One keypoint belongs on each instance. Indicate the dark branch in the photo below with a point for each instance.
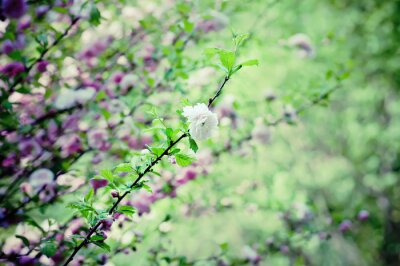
(141, 175)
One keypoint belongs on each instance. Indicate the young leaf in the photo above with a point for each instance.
(89, 195)
(95, 16)
(102, 245)
(169, 132)
(127, 210)
(49, 249)
(77, 237)
(227, 59)
(240, 39)
(183, 159)
(81, 206)
(24, 240)
(157, 150)
(30, 221)
(252, 62)
(210, 52)
(97, 238)
(107, 174)
(174, 151)
(123, 167)
(193, 145)
(224, 247)
(147, 188)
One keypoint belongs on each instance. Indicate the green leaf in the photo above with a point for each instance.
(105, 113)
(127, 210)
(89, 195)
(209, 52)
(183, 8)
(60, 10)
(157, 150)
(95, 16)
(32, 222)
(147, 188)
(77, 237)
(24, 240)
(193, 145)
(240, 39)
(252, 62)
(97, 238)
(188, 26)
(328, 74)
(174, 151)
(23, 90)
(107, 174)
(49, 249)
(102, 245)
(183, 159)
(124, 167)
(227, 59)
(169, 132)
(235, 69)
(224, 247)
(81, 206)
(101, 95)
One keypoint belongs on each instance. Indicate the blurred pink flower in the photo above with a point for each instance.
(98, 139)
(98, 183)
(70, 144)
(14, 8)
(12, 69)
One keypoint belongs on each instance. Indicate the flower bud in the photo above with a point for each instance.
(106, 224)
(42, 66)
(363, 215)
(345, 226)
(25, 188)
(114, 194)
(284, 249)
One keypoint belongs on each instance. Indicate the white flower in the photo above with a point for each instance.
(128, 81)
(202, 121)
(303, 44)
(69, 98)
(165, 227)
(65, 99)
(41, 177)
(84, 95)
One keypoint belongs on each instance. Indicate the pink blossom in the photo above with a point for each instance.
(117, 77)
(8, 47)
(29, 147)
(70, 144)
(98, 139)
(98, 183)
(345, 226)
(14, 8)
(363, 215)
(41, 11)
(24, 23)
(106, 224)
(42, 66)
(13, 69)
(284, 249)
(9, 161)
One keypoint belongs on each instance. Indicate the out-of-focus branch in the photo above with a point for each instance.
(44, 52)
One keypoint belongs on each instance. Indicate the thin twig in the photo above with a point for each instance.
(141, 175)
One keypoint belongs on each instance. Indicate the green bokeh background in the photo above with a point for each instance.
(337, 159)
